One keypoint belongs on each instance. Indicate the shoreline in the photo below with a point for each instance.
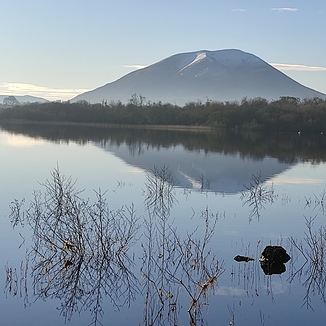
(109, 125)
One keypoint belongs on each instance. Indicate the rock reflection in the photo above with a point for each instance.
(312, 273)
(80, 251)
(174, 267)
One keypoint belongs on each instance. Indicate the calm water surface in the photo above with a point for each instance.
(195, 201)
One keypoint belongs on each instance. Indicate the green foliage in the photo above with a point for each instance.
(284, 114)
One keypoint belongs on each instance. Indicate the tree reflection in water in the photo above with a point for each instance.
(312, 273)
(257, 196)
(80, 251)
(318, 202)
(173, 266)
(81, 254)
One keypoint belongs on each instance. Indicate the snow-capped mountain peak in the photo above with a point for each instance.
(223, 75)
(200, 56)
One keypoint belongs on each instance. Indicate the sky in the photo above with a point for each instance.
(59, 49)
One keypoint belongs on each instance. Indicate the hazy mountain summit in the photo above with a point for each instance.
(23, 99)
(224, 75)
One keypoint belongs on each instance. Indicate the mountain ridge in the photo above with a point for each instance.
(222, 75)
(23, 99)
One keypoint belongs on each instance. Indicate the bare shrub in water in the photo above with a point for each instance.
(80, 251)
(312, 272)
(159, 191)
(257, 194)
(171, 264)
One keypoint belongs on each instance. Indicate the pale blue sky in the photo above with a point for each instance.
(58, 49)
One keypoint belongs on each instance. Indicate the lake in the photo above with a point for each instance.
(141, 227)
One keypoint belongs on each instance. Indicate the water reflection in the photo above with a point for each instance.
(160, 248)
(307, 267)
(257, 195)
(312, 272)
(210, 161)
(159, 192)
(318, 202)
(256, 276)
(81, 254)
(175, 266)
(80, 251)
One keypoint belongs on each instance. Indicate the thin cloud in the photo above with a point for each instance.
(285, 66)
(285, 9)
(239, 10)
(20, 89)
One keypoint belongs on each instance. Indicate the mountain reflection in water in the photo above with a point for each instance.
(230, 159)
(171, 255)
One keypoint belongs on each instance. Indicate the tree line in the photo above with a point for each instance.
(284, 114)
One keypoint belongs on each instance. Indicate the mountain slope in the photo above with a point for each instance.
(223, 75)
(25, 99)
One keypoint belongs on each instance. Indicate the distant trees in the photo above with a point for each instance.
(284, 114)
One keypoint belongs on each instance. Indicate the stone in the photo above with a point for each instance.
(273, 259)
(242, 258)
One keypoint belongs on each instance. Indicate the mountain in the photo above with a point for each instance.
(224, 75)
(25, 99)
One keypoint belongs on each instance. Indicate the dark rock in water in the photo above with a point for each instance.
(273, 259)
(274, 254)
(242, 258)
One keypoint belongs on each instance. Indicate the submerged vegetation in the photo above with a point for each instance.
(284, 114)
